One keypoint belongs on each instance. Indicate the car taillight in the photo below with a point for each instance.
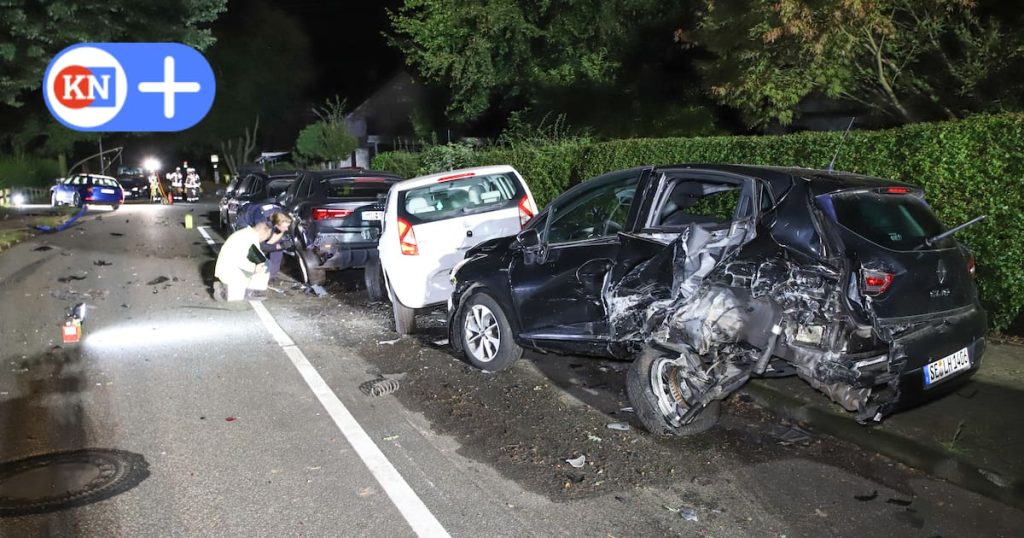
(325, 213)
(876, 282)
(971, 266)
(407, 238)
(525, 211)
(897, 190)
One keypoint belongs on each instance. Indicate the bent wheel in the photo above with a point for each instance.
(405, 317)
(656, 397)
(312, 274)
(486, 334)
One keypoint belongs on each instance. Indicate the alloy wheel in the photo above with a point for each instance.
(483, 337)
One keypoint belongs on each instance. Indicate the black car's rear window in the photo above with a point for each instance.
(357, 188)
(277, 186)
(895, 221)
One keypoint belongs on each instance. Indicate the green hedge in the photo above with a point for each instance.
(27, 171)
(967, 168)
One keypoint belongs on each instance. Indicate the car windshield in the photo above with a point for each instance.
(357, 188)
(453, 198)
(894, 221)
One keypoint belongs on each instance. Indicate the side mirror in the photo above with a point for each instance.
(529, 239)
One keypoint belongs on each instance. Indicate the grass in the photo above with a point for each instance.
(15, 228)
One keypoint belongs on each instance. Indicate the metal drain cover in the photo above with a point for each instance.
(59, 480)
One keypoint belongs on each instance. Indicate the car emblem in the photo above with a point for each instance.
(940, 271)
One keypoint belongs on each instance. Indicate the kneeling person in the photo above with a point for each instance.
(279, 222)
(241, 270)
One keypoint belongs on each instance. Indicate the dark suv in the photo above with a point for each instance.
(337, 218)
(253, 187)
(708, 275)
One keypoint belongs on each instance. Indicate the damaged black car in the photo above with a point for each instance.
(709, 275)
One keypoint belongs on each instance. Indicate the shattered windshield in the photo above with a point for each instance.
(895, 221)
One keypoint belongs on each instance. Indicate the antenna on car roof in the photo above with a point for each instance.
(833, 162)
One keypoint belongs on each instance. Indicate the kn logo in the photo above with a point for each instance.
(136, 87)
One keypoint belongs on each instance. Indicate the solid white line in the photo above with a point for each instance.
(416, 513)
(206, 236)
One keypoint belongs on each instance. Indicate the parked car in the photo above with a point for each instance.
(225, 200)
(431, 221)
(91, 189)
(710, 275)
(134, 183)
(254, 187)
(336, 218)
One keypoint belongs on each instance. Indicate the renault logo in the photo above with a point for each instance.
(940, 272)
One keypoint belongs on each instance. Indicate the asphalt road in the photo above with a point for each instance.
(241, 438)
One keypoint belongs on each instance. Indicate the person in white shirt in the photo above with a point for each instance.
(241, 270)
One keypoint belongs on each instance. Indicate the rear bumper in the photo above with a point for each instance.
(340, 255)
(914, 351)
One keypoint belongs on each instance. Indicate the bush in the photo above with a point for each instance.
(27, 171)
(968, 168)
(404, 163)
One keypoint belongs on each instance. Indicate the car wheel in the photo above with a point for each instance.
(405, 317)
(486, 334)
(312, 273)
(653, 394)
(53, 200)
(113, 207)
(77, 201)
(373, 276)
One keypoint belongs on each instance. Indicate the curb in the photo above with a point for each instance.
(934, 461)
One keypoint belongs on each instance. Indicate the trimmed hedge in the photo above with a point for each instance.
(969, 167)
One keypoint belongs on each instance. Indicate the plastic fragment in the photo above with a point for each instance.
(577, 462)
(619, 426)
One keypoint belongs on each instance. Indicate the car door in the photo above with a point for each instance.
(691, 220)
(558, 293)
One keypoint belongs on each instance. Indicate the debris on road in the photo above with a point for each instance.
(577, 462)
(69, 278)
(64, 225)
(379, 387)
(389, 342)
(389, 438)
(594, 438)
(619, 426)
(101, 263)
(231, 419)
(899, 502)
(441, 342)
(688, 513)
(791, 435)
(872, 496)
(158, 280)
(43, 248)
(117, 234)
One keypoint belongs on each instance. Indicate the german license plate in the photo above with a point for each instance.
(946, 367)
(107, 191)
(373, 215)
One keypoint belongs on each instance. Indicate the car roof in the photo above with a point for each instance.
(344, 173)
(92, 176)
(433, 178)
(781, 178)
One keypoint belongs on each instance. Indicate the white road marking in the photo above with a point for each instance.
(206, 236)
(409, 504)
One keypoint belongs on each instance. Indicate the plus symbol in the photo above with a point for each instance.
(169, 87)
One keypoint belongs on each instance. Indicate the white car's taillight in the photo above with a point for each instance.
(407, 238)
(525, 211)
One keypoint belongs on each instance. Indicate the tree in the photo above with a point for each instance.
(33, 31)
(908, 60)
(327, 139)
(514, 48)
(239, 151)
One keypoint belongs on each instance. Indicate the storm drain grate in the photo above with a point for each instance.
(60, 480)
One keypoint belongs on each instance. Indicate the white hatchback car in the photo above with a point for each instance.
(431, 221)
